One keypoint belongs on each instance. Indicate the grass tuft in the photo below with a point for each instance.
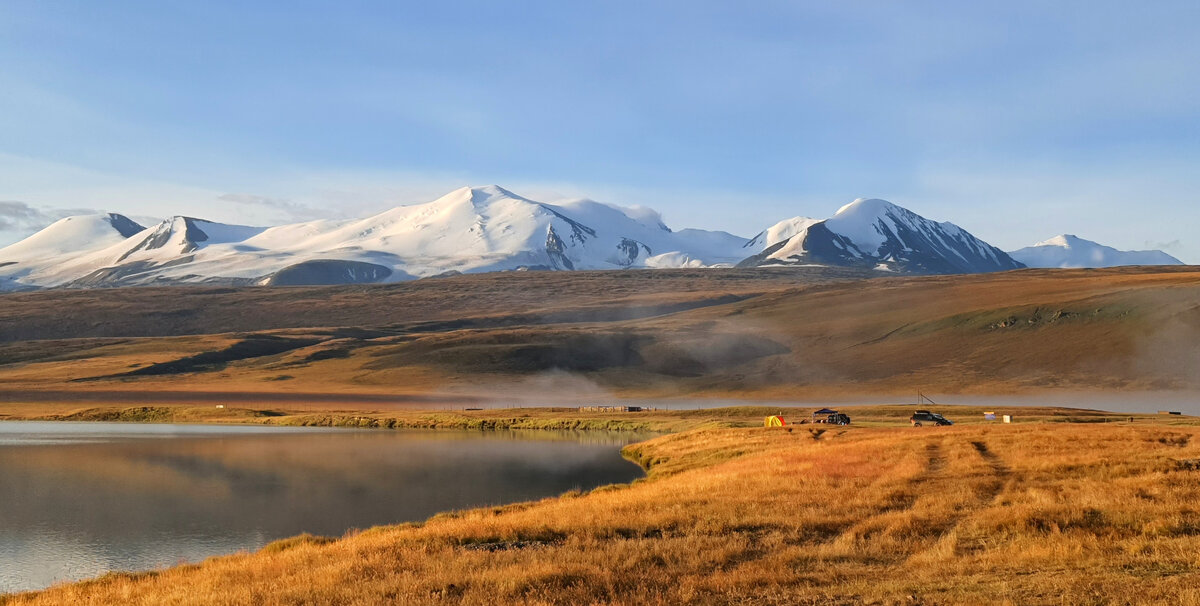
(294, 542)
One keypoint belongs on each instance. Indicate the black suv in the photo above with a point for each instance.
(837, 418)
(925, 417)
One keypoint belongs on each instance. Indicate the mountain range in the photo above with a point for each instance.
(1067, 251)
(492, 229)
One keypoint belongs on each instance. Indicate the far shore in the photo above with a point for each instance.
(664, 417)
(23, 401)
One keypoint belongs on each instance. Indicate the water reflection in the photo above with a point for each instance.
(76, 502)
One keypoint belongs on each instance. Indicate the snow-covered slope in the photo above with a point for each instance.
(1072, 251)
(779, 232)
(492, 229)
(165, 253)
(182, 235)
(881, 235)
(23, 264)
(72, 235)
(468, 230)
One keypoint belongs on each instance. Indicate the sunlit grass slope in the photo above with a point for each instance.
(1035, 513)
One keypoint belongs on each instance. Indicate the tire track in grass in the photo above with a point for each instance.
(987, 493)
(1000, 470)
(899, 500)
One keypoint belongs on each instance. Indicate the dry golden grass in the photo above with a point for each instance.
(1036, 513)
(363, 415)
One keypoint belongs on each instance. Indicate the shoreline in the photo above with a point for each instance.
(561, 418)
(1107, 400)
(697, 509)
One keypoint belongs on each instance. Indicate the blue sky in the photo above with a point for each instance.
(1016, 120)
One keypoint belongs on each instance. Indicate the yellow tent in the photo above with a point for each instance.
(774, 421)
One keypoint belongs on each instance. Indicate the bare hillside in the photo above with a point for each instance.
(710, 333)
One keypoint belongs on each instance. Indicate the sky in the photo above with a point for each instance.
(1016, 120)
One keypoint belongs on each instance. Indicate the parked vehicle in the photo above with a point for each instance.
(837, 418)
(830, 416)
(925, 417)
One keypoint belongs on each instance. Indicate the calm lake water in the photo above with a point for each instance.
(81, 499)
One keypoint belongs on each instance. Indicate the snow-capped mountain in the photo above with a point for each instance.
(880, 235)
(164, 253)
(33, 261)
(181, 235)
(468, 230)
(1072, 251)
(492, 229)
(73, 234)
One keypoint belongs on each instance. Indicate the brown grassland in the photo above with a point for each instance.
(1065, 506)
(557, 336)
(1036, 512)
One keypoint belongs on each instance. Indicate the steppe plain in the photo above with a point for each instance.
(1064, 506)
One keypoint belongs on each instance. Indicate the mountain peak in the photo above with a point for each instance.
(866, 207)
(477, 196)
(124, 225)
(779, 232)
(875, 233)
(180, 220)
(72, 235)
(492, 190)
(1064, 240)
(492, 193)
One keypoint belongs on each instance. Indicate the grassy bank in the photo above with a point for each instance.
(1035, 512)
(568, 419)
(561, 418)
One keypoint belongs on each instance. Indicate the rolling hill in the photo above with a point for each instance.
(783, 333)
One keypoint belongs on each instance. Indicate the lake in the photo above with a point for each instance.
(81, 499)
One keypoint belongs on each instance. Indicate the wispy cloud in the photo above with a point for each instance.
(20, 216)
(1174, 247)
(283, 207)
